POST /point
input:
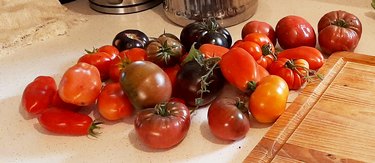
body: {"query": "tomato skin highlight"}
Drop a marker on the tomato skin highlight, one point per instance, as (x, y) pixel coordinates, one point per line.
(62, 121)
(80, 84)
(268, 101)
(38, 95)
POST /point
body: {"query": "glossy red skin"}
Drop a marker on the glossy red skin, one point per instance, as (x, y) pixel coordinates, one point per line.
(111, 50)
(312, 55)
(226, 120)
(38, 94)
(291, 76)
(162, 132)
(255, 26)
(294, 31)
(101, 60)
(334, 36)
(172, 73)
(80, 84)
(113, 104)
(65, 122)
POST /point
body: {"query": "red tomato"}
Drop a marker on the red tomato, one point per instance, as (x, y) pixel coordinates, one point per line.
(228, 119)
(339, 31)
(124, 58)
(262, 72)
(268, 100)
(112, 50)
(164, 126)
(172, 73)
(294, 31)
(239, 68)
(113, 103)
(259, 27)
(38, 95)
(312, 55)
(294, 72)
(62, 121)
(80, 84)
(212, 50)
(101, 60)
(58, 102)
(259, 46)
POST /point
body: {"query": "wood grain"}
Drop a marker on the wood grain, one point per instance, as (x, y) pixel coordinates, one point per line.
(331, 120)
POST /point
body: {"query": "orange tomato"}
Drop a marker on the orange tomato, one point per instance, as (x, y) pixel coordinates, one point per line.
(212, 50)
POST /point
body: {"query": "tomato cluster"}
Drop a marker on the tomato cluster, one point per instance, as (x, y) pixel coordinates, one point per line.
(162, 80)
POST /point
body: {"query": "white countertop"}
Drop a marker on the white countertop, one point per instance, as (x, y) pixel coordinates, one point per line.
(23, 140)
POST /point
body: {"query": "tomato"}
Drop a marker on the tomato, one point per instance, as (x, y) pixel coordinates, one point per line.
(294, 72)
(164, 126)
(212, 50)
(123, 59)
(38, 94)
(130, 38)
(260, 47)
(239, 68)
(202, 32)
(312, 55)
(339, 31)
(268, 101)
(113, 103)
(228, 119)
(80, 84)
(110, 49)
(294, 31)
(255, 26)
(165, 51)
(146, 84)
(62, 121)
(172, 73)
(101, 60)
(58, 102)
(262, 72)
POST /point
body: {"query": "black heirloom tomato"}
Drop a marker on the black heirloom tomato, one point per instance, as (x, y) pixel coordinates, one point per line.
(130, 38)
(207, 31)
(146, 84)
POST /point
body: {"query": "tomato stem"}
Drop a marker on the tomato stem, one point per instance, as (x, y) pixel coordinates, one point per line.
(340, 23)
(240, 104)
(161, 109)
(251, 86)
(93, 127)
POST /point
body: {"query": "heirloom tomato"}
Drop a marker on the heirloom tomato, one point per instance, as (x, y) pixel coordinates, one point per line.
(113, 103)
(268, 99)
(228, 118)
(163, 126)
(39, 94)
(66, 122)
(339, 31)
(101, 60)
(312, 55)
(80, 84)
(294, 31)
(255, 26)
(130, 38)
(146, 84)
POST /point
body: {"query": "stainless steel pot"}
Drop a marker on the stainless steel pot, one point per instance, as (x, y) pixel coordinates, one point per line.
(227, 12)
(122, 6)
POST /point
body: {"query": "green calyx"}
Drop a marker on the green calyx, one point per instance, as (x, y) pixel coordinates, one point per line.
(161, 109)
(251, 86)
(93, 127)
(340, 23)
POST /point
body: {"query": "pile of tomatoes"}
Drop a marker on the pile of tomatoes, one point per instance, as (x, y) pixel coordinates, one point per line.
(162, 80)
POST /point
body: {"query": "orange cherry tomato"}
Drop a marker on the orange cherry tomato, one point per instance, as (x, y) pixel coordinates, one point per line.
(268, 101)
(80, 84)
(212, 50)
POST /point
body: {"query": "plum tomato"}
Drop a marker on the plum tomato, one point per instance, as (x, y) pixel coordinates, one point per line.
(294, 31)
(80, 84)
(228, 118)
(130, 38)
(38, 95)
(339, 31)
(163, 126)
(146, 84)
(255, 26)
(312, 55)
(268, 99)
(113, 104)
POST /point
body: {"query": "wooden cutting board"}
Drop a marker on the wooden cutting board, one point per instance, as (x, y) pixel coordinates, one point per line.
(331, 120)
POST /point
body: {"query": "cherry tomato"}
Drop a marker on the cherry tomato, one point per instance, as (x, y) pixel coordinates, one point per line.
(146, 84)
(123, 59)
(111, 50)
(239, 68)
(65, 122)
(212, 50)
(294, 31)
(228, 119)
(113, 103)
(312, 55)
(80, 84)
(339, 31)
(164, 126)
(101, 60)
(268, 101)
(255, 26)
(294, 72)
(38, 94)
